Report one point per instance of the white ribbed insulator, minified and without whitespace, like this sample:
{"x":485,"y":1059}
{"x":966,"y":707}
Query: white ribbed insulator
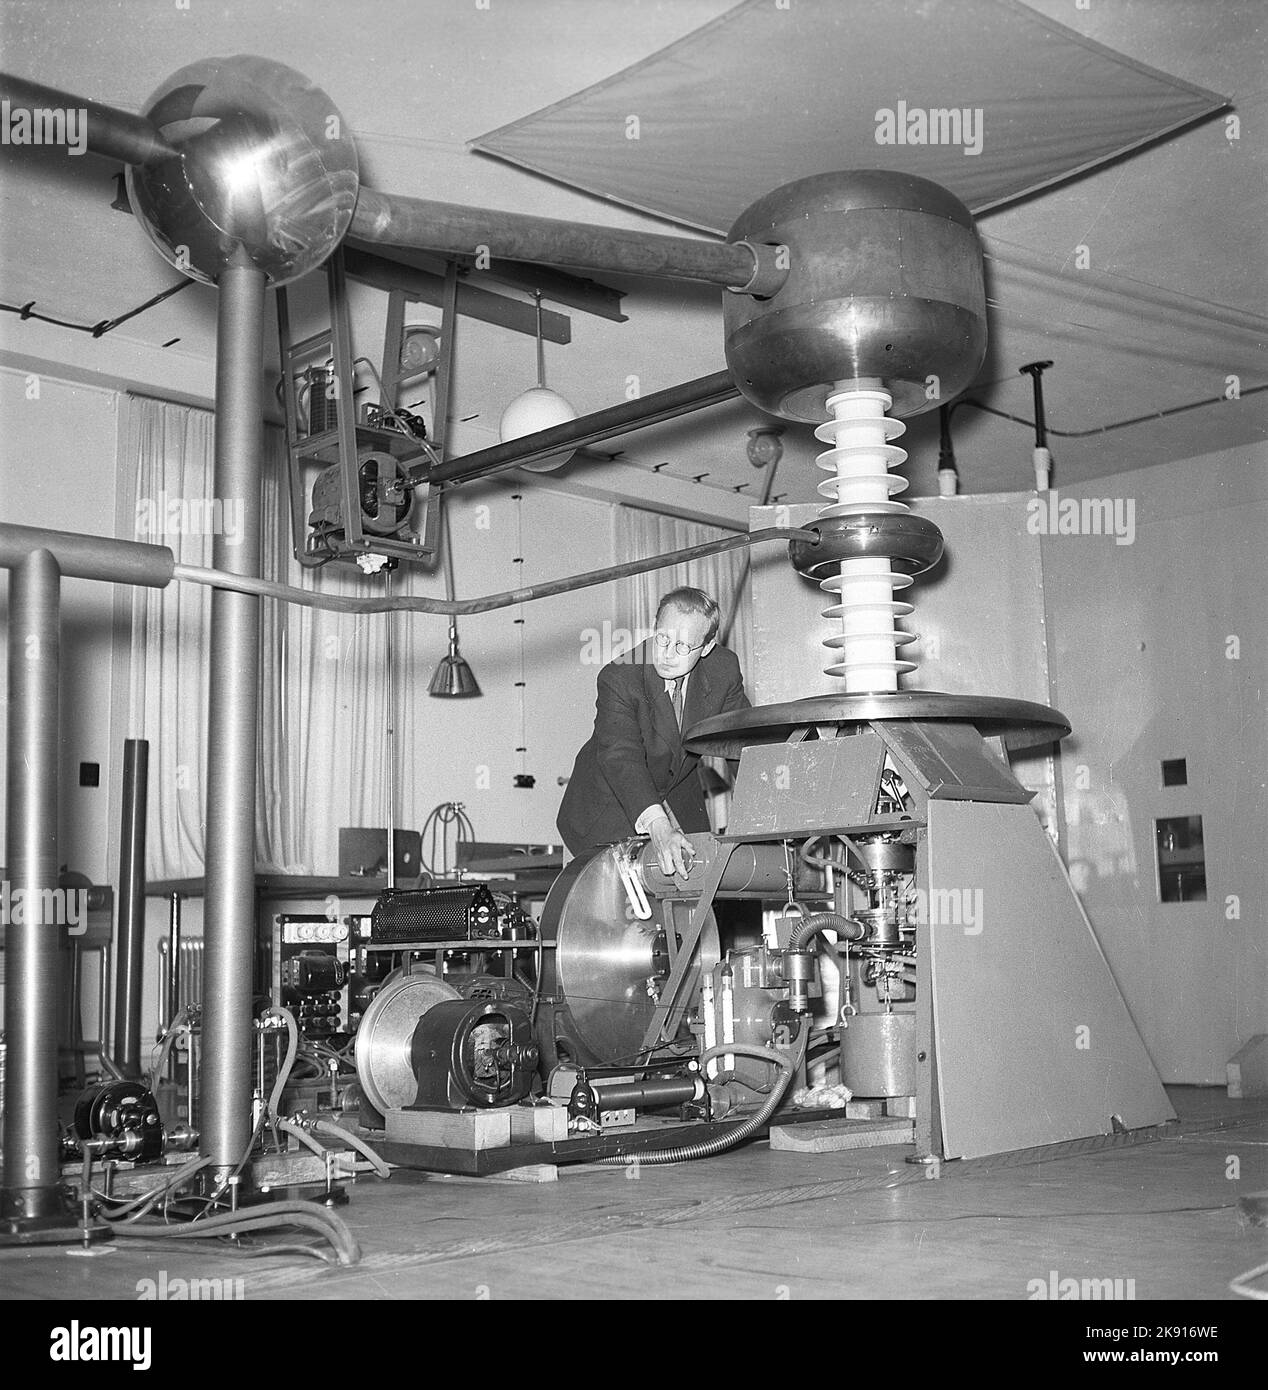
{"x":860,"y":461}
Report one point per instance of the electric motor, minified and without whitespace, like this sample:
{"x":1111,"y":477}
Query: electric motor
{"x":473,"y":1053}
{"x":382,"y":493}
{"x":124,"y":1116}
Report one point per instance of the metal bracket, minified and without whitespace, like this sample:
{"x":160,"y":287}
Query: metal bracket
{"x":673,"y":986}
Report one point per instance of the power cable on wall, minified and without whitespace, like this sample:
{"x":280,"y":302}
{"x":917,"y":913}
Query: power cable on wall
{"x":27,"y":311}
{"x":1113,"y":425}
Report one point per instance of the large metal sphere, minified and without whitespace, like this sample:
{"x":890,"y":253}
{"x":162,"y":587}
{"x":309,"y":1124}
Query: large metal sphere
{"x":267,"y":169}
{"x":885,"y":282}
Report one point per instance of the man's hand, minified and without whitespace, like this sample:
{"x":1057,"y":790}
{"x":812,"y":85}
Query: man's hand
{"x":673,"y":849}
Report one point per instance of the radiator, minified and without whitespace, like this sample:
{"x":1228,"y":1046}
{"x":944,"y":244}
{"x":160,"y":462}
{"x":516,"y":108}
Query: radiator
{"x":190,"y":974}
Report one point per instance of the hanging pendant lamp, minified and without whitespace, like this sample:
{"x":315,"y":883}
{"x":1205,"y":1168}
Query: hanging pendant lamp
{"x":453,"y":679}
{"x":538,"y":408}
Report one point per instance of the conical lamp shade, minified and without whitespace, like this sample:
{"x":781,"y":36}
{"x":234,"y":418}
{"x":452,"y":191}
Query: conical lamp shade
{"x":453,"y":678}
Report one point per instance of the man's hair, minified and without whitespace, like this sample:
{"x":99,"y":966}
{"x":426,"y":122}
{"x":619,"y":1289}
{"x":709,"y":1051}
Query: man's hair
{"x":689,"y":600}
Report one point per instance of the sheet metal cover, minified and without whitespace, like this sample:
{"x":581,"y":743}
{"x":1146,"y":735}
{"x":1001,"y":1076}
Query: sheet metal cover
{"x":1034,"y":1042}
{"x":1028,"y":102}
{"x":802,"y":787}
{"x":952,"y":762}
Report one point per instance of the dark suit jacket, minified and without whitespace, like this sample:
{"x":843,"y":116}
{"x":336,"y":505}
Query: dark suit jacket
{"x":635,"y":756}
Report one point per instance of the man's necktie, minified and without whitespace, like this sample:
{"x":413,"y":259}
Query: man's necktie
{"x":677,"y":700}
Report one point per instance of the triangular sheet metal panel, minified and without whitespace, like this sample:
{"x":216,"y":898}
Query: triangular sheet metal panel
{"x":1034,"y":1042}
{"x":951,"y":762}
{"x":766,"y":94}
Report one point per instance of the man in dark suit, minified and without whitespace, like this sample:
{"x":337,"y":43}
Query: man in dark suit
{"x":633,"y":776}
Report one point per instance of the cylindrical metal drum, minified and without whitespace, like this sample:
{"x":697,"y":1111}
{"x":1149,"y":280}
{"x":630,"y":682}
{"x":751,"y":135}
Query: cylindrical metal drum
{"x":608,"y":964}
{"x":878,"y":1054}
{"x":885,"y":282}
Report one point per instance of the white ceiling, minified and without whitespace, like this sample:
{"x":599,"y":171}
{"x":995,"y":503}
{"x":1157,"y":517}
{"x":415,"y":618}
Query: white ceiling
{"x":1179,"y":226}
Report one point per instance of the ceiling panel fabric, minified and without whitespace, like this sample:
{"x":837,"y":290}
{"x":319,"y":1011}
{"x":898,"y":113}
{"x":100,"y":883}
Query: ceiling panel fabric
{"x":763,"y":95}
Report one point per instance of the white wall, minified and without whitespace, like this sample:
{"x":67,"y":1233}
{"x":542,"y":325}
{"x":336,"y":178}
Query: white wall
{"x":466,"y":750}
{"x":1159,"y":649}
{"x":57,"y":470}
{"x":1134,"y":640}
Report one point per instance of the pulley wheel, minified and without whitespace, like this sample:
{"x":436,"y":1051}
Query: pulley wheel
{"x":386,"y":1032}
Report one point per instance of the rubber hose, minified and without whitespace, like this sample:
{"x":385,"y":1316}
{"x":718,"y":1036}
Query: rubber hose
{"x":687,"y":1153}
{"x":303,"y":1136}
{"x":306,"y":1214}
{"x":846,"y":927}
{"x":353,"y":1141}
{"x":292,"y":1048}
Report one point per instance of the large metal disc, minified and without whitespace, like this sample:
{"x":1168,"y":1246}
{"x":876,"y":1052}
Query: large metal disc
{"x":386,"y":1031}
{"x":1020,"y":723}
{"x":603,"y":958}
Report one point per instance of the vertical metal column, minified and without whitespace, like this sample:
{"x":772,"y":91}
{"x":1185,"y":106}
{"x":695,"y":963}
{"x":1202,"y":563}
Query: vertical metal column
{"x":229,"y":926}
{"x":33,"y":960}
{"x":127,"y":1022}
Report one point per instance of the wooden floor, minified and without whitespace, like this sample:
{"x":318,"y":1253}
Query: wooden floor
{"x":760,"y":1225}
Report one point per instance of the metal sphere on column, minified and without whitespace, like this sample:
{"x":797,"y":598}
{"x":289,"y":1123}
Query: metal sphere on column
{"x":265,"y":166}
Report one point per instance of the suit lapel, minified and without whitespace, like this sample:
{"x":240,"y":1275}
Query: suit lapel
{"x":697,"y":701}
{"x":661,"y":705}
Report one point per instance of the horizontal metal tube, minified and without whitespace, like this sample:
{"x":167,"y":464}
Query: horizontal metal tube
{"x":90,"y":557}
{"x":622,"y":1095}
{"x":752,"y":868}
{"x":109,"y":132}
{"x":335,"y":603}
{"x":456,"y":230}
{"x":587,"y":429}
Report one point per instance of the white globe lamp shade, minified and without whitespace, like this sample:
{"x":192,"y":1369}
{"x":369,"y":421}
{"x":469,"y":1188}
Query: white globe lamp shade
{"x":539,"y":408}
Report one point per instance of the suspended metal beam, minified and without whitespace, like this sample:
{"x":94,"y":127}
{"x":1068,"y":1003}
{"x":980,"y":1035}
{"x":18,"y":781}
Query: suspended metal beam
{"x":427,"y":286}
{"x":588,"y":429}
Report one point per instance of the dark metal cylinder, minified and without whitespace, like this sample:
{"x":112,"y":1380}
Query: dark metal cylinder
{"x":622,"y":1095}
{"x":130,"y":969}
{"x":90,"y":557}
{"x":173,"y":958}
{"x":229,"y":923}
{"x":33,"y":960}
{"x":109,"y":132}
{"x":885,"y":283}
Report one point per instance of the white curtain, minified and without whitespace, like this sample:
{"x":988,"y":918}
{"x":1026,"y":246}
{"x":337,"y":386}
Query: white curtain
{"x":323,"y":688}
{"x":640,"y":534}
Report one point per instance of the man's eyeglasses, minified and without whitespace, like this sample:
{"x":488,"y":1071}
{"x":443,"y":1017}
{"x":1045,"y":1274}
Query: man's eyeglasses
{"x":667,"y":644}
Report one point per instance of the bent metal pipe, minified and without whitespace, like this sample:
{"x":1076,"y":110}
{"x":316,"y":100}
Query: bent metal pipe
{"x":154,"y":566}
